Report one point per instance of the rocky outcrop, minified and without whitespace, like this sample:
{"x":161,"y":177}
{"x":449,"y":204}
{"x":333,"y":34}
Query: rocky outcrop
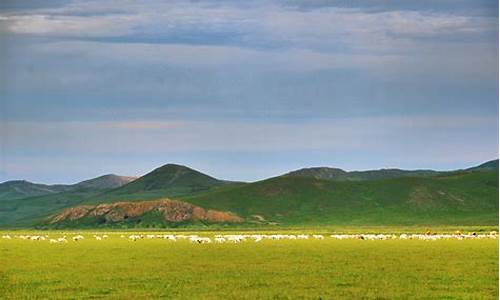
{"x":171,"y":210}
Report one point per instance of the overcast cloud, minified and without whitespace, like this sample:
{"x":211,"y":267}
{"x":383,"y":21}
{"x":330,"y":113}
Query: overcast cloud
{"x":245,"y":90}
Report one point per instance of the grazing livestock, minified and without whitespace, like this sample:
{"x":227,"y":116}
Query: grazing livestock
{"x":239,"y":238}
{"x":134,"y":237}
{"x":235,"y":238}
{"x":170,"y":237}
{"x":77,"y":238}
{"x":219,"y":240}
{"x":200,"y":240}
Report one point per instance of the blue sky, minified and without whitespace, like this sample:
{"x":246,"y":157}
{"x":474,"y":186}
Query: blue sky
{"x":245,"y":90}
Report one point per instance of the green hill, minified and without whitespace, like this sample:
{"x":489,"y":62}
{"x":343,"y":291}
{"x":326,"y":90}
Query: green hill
{"x":341,"y":175}
{"x":17,"y":189}
{"x":29,"y":211}
{"x":24,"y":203}
{"x":390,"y":197}
{"x":491,"y":165}
{"x":168,"y":180}
{"x":458,"y":198}
{"x":102,"y":183}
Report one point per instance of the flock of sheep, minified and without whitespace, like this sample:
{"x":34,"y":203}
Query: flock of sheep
{"x":238,"y":238}
{"x":62,"y":239}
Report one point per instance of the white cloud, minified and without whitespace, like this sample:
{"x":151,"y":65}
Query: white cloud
{"x":263,"y":25}
{"x":106,"y":59}
{"x":71,"y":26}
{"x":264,"y":35}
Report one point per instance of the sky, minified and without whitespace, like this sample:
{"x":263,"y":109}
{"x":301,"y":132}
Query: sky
{"x":245,"y":90}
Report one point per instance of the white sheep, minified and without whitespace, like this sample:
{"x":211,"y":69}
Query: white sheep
{"x":76,"y":238}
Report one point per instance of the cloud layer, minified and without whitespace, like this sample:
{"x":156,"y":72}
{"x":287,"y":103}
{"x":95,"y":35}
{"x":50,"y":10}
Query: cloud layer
{"x":195,"y":81}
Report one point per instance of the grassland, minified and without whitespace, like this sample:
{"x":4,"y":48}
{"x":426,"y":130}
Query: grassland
{"x":117,"y":268}
{"x":451,"y":199}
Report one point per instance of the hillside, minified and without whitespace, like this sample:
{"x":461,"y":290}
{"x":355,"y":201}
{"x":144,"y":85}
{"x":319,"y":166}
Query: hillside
{"x":31,"y":202}
{"x":388,"y":196}
{"x":341,"y":175}
{"x":459,"y":198}
{"x":491,"y":165}
{"x":30,"y":211}
{"x":105,"y":182}
{"x":17,"y":189}
{"x":167,"y":181}
{"x":170,"y":179}
{"x":156,"y":213}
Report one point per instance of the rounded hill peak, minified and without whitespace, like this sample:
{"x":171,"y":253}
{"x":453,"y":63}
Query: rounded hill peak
{"x":173,"y":178}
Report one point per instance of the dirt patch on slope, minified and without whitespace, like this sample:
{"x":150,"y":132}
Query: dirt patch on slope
{"x":171,"y":210}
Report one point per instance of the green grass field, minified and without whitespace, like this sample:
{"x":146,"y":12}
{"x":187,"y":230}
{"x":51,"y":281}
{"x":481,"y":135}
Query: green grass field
{"x":117,"y":268}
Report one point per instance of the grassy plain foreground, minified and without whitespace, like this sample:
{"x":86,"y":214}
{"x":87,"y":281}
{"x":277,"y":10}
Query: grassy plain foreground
{"x":117,"y":268}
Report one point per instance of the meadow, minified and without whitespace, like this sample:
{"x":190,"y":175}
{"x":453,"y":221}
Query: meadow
{"x":118,"y":268}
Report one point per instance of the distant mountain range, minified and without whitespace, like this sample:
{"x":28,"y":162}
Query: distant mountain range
{"x":491,"y":165}
{"x":341,"y":175}
{"x":105,"y":182}
{"x":317,"y":196}
{"x":18,"y":189}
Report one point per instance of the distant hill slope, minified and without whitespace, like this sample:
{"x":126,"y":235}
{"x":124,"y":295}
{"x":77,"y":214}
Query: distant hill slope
{"x":171,"y":180}
{"x":491,"y":165}
{"x":167,"y":181}
{"x":29,"y":211}
{"x":17,"y":189}
{"x":105,"y":182}
{"x":341,"y":175}
{"x":155,"y":213}
{"x":24,"y":203}
{"x":311,"y":196}
{"x":459,"y":198}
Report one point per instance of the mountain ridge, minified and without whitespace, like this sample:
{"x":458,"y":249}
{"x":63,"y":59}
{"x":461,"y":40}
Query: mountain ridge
{"x":108,"y":181}
{"x":298,"y":198}
{"x":19,"y":189}
{"x":488,"y":165}
{"x":332,"y":173}
{"x":171,"y":178}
